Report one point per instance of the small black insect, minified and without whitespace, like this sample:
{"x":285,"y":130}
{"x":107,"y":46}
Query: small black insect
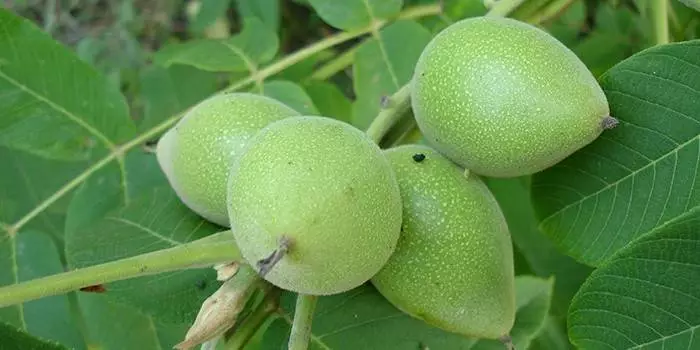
{"x":201,"y":285}
{"x":418,"y":157}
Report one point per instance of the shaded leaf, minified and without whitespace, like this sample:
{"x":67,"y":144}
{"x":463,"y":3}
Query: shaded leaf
{"x":330,"y":101}
{"x":552,"y":336}
{"x":353,"y":14}
{"x":641,"y":174}
{"x":459,"y":9}
{"x":513,"y":197}
{"x":32,"y":252}
{"x":168,"y":91}
{"x":13,"y":338}
{"x":209,"y":11}
{"x":50,"y":317}
{"x":383,"y":64}
{"x":616,"y":37}
{"x":292,"y":95}
{"x":31,"y":255}
{"x":268,"y":11}
{"x":53,"y":104}
{"x":114,"y":326}
{"x":532,"y":299}
{"x":106,"y":191}
{"x":303,"y":69}
{"x":254,"y":45}
{"x":363,"y":319}
{"x":155,"y":220}
{"x":694,"y":4}
{"x":646,"y":296}
{"x":24,"y":184}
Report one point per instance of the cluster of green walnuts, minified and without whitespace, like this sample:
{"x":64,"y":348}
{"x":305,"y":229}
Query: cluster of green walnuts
{"x":318,"y":208}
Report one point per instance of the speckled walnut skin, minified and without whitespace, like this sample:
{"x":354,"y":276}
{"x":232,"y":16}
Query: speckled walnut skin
{"x":197,"y":153}
{"x":504,"y":98}
{"x":328,"y":189}
{"x":453,"y":265}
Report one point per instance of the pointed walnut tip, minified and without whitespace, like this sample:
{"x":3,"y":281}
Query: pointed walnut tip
{"x":609,"y":123}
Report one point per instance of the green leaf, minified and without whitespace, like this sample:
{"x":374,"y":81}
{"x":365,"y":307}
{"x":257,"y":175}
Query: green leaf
{"x":383,"y":64}
{"x":646,"y":296}
{"x":114,"y":326}
{"x":107,"y":191}
{"x":330,"y":101}
{"x":290,"y":94}
{"x":363,"y":319}
{"x":24,"y":184}
{"x":354,"y":14}
{"x":694,"y":4}
{"x":13,"y":338}
{"x":638,"y":176}
{"x":459,"y":9}
{"x":155,"y":220}
{"x":52,"y":104}
{"x":209,"y":11}
{"x":244,"y":52}
{"x":268,"y":11}
{"x":303,"y":69}
{"x":552,"y":336}
{"x":33,"y":254}
{"x":617,"y":35}
{"x":168,"y":91}
{"x":513,"y":197}
{"x":532,"y":298}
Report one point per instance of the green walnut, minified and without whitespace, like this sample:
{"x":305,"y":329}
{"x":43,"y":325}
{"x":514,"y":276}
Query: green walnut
{"x":197,"y":153}
{"x":315,"y":205}
{"x":503,"y":98}
{"x":453,"y":265}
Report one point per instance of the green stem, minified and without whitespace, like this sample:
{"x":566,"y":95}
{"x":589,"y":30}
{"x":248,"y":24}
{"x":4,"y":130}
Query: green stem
{"x":504,"y":7}
{"x":336,"y":65}
{"x":210,"y":250}
{"x":404,"y":130}
{"x":552,"y":10}
{"x":251,"y":324}
{"x":397,"y":105}
{"x":659,"y":20}
{"x":287,"y":61}
{"x":303,"y":317}
{"x":411,"y":13}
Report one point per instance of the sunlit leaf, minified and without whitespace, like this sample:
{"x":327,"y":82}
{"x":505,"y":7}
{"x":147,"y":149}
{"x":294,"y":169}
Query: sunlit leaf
{"x":292,"y":95}
{"x":53,"y":104}
{"x":353,"y":14}
{"x":243,"y":52}
{"x":383,"y":64}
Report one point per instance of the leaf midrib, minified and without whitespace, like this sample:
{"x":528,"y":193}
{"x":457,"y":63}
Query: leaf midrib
{"x":145,"y":229}
{"x":618,"y":181}
{"x":380,"y":43}
{"x":71,"y":116}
